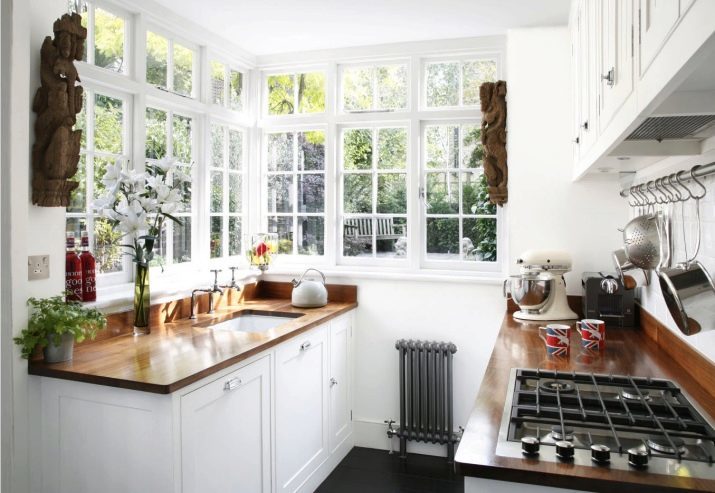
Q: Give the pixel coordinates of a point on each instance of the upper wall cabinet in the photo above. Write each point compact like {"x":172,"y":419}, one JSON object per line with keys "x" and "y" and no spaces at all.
{"x":628,"y":57}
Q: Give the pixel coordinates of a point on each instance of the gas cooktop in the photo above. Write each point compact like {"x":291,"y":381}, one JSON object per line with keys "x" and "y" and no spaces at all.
{"x":609,"y":421}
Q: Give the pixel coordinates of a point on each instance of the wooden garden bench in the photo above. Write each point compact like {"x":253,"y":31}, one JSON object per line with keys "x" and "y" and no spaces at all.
{"x":386,"y":228}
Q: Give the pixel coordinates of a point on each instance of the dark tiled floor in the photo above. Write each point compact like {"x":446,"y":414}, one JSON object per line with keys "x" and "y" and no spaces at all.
{"x":367,"y":470}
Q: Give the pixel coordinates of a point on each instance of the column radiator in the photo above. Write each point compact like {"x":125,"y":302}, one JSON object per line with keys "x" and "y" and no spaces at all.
{"x":426,"y":396}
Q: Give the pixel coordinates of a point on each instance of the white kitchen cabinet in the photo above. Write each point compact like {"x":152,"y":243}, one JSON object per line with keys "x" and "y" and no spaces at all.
{"x":585,"y":46}
{"x":340,"y":381}
{"x":657,"y":19}
{"x":617,"y":40}
{"x":226,"y":435}
{"x":301,"y":401}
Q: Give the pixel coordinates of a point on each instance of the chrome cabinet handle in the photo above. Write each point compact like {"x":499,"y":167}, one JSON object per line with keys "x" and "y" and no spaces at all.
{"x":232,"y":384}
{"x":333,"y":382}
{"x":305,"y":345}
{"x":609,"y":77}
{"x":584,"y":125}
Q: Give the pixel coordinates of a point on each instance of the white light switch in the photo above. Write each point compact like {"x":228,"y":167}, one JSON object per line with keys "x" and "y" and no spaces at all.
{"x":38,"y":267}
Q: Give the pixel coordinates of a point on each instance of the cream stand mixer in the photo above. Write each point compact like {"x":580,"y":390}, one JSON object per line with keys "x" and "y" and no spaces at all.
{"x":540,"y":290}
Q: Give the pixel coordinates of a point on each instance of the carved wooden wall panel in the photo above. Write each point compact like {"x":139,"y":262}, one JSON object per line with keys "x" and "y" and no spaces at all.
{"x":493,"y":99}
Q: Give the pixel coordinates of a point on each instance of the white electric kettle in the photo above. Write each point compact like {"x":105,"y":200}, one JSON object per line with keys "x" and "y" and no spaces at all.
{"x":308,"y":293}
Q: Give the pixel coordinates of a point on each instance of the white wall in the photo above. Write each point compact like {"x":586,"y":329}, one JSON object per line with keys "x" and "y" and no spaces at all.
{"x":546,"y":209}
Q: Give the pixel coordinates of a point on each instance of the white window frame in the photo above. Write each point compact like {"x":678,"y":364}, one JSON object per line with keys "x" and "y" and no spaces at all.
{"x":295,"y":257}
{"x":375,"y":89}
{"x":461,"y":60}
{"x":461,"y":264}
{"x":128,"y":36}
{"x":172,"y":38}
{"x":342,"y":259}
{"x":225,"y":215}
{"x":228,"y":68}
{"x":91,"y":89}
{"x":296,"y":115}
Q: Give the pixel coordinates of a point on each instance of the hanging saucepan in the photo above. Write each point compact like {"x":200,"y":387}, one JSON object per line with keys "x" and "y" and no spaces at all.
{"x":688,"y":289}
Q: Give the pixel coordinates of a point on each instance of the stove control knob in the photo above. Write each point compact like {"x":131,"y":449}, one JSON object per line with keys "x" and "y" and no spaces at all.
{"x":600,"y":454}
{"x":637,"y":457}
{"x":564,"y":450}
{"x":530,"y":445}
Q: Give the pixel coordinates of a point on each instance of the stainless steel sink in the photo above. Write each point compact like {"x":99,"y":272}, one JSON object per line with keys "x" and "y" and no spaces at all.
{"x":255,"y":321}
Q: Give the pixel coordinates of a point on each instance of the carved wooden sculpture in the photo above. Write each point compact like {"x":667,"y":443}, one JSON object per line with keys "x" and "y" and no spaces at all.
{"x":493,"y":99}
{"x":55,"y":153}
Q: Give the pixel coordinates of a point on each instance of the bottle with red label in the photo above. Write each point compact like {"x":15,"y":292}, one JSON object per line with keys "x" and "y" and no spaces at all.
{"x":89,"y":286}
{"x":73,"y":270}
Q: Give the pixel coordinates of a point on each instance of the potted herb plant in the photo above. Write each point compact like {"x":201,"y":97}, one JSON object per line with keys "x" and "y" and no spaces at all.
{"x":55,"y":324}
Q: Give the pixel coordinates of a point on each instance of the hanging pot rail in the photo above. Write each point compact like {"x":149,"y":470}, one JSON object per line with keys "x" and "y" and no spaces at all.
{"x":668,"y":186}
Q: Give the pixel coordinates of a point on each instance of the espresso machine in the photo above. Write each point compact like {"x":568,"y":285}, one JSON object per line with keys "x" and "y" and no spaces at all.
{"x":606,"y":298}
{"x":540,"y":289}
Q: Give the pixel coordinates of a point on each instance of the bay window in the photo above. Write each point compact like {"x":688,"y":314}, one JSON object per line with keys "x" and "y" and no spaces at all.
{"x":455,"y":83}
{"x":374,"y":88}
{"x":170,"y":65}
{"x":295,"y":93}
{"x":106,"y":42}
{"x":227,"y":86}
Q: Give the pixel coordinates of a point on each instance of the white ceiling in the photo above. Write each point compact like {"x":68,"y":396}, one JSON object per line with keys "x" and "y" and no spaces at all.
{"x":265,"y":27}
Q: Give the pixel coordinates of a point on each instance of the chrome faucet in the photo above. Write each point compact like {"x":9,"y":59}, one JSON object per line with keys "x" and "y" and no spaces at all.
{"x":233,"y":284}
{"x":211,"y":291}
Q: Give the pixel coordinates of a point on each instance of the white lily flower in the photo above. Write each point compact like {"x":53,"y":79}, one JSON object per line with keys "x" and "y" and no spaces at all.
{"x":169,"y":207}
{"x":148,"y":204}
{"x":111,"y":214}
{"x":103,"y":202}
{"x":153,"y":181}
{"x":180,"y":177}
{"x":133,"y":224}
{"x":113,"y":174}
{"x":166,"y":164}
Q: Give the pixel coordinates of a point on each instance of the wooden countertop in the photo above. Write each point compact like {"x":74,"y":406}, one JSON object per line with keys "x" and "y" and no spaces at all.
{"x":177,"y":354}
{"x":628,"y":351}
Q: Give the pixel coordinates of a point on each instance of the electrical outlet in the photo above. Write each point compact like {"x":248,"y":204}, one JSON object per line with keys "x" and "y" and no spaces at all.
{"x":38,"y":267}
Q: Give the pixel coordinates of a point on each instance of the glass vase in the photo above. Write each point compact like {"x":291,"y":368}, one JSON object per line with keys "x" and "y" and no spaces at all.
{"x":141,"y":299}
{"x":263,"y":246}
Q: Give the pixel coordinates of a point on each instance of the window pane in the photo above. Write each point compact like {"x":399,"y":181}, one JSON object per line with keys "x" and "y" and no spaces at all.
{"x":392,"y":87}
{"x":236,"y":90}
{"x":311,"y":235}
{"x":234,"y":192}
{"x":182,"y":241}
{"x":480,"y":239}
{"x":311,"y":150}
{"x":358,"y":194}
{"x":392,"y":148}
{"x":442,"y":147}
{"x":442,"y":84}
{"x":475,"y":195}
{"x":443,"y":238}
{"x":357,"y":237}
{"x":182,"y":139}
{"x":107,"y":251}
{"x":157,"y":49}
{"x":77,"y":200}
{"x":442,"y":193}
{"x":283,"y":227}
{"x":311,"y":193}
{"x":235,"y":236}
{"x":311,"y":92}
{"x":81,"y":123}
{"x":217,"y":139}
{"x":155,"y":133}
{"x":108,"y":124}
{"x":216,"y":191}
{"x":280,"y":190}
{"x":76,"y":225}
{"x":473,"y":75}
{"x":183,"y":70}
{"x":391,"y":193}
{"x":472,"y":149}
{"x":216,"y":242}
{"x":186,"y":187}
{"x":235,"y":149}
{"x":357,"y":148}
{"x":357,"y":88}
{"x":391,"y":237}
{"x":281,"y":94}
{"x":280,"y":152}
{"x":100,"y":168}
{"x":218,"y":73}
{"x":108,"y":40}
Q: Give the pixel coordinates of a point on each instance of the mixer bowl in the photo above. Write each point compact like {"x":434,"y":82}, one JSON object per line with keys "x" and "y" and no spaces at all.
{"x":531,"y":292}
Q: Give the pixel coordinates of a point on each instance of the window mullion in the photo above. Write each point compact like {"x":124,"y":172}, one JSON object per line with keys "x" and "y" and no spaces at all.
{"x":90,"y":34}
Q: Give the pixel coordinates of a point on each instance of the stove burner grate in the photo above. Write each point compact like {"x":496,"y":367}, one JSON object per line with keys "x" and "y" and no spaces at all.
{"x":559,"y":434}
{"x":552,"y":386}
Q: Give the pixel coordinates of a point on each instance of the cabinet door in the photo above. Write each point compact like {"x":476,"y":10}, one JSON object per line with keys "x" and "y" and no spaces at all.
{"x":588,"y":84}
{"x":225,"y":433}
{"x":340,"y":381}
{"x":616,"y":73}
{"x":301,"y":403}
{"x":657,"y":18}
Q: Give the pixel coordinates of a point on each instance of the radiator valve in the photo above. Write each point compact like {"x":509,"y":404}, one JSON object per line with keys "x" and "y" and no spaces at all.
{"x":391,"y":432}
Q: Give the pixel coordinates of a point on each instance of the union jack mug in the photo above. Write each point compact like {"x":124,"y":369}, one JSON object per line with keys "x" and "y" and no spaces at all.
{"x":593,"y":333}
{"x":557,"y":339}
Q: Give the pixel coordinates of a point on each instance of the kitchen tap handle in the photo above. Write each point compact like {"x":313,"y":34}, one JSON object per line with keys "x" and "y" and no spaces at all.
{"x":215,"y":271}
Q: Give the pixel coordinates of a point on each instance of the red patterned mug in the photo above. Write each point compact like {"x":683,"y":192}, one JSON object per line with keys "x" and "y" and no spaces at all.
{"x":593,"y":333}
{"x":557,"y":339}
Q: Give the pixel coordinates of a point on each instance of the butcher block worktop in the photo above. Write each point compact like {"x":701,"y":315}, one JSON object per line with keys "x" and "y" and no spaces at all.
{"x":179,"y":353}
{"x":633,"y":352}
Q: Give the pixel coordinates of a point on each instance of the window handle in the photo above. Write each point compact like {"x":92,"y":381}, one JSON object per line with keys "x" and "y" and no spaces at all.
{"x":423,"y":197}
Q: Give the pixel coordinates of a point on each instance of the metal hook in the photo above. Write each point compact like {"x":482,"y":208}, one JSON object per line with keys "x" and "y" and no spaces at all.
{"x":695,"y":179}
{"x":648,"y":189}
{"x":678,"y":197}
{"x":678,"y":177}
{"x":635,"y":203}
{"x":663,"y":199}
